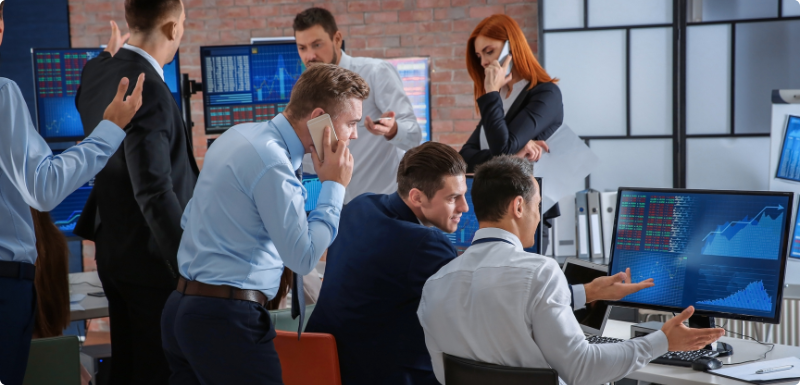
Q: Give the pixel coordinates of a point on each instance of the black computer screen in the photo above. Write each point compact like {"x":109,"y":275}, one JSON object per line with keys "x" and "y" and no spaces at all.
{"x":594,"y":313}
{"x":723,"y":252}
{"x":57,"y":76}
{"x":247,"y":83}
{"x":468,"y":225}
{"x":789,"y":162}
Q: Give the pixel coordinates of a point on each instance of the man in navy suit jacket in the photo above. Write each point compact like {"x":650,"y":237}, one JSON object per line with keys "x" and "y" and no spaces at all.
{"x":387,"y":247}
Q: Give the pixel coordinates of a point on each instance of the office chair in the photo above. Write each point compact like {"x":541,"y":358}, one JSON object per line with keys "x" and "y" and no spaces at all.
{"x":54,"y":361}
{"x":461,"y":371}
{"x":313,"y":359}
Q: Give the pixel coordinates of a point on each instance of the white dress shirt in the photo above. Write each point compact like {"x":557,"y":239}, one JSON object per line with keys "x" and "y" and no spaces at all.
{"x":376,"y":159}
{"x":147,"y":56}
{"x":498,"y":304}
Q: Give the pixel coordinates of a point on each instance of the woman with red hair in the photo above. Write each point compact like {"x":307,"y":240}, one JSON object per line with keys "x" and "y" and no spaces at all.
{"x":519,"y":111}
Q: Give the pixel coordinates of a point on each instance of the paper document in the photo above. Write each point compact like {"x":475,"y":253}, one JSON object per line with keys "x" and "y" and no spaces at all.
{"x":747,"y":372}
{"x":569,"y":159}
{"x":74,"y":298}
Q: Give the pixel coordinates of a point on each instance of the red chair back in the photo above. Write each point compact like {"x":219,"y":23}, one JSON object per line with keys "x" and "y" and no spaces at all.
{"x":313,"y":359}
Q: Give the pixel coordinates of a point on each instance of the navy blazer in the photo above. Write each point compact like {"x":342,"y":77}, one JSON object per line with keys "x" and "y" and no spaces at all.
{"x":373,"y":282}
{"x":535,"y":115}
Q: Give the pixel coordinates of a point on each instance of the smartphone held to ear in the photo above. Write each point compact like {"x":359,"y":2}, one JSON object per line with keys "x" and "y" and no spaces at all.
{"x":316,"y":127}
{"x":503,"y":55}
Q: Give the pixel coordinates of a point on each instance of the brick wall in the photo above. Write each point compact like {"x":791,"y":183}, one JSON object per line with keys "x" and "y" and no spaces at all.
{"x":378,"y":28}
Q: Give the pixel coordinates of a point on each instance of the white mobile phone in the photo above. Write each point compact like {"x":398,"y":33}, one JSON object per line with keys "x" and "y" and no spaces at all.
{"x":316,"y":127}
{"x":503,"y":54}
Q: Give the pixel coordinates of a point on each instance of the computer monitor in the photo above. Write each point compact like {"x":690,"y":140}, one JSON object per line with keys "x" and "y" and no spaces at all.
{"x":313,"y":187}
{"x":57,"y":76}
{"x":66,"y":214}
{"x":415,"y":74}
{"x":789,"y":163}
{"x":468,"y":225}
{"x":794,"y":248}
{"x":247,"y":83}
{"x":723,"y":252}
{"x":593,"y":317}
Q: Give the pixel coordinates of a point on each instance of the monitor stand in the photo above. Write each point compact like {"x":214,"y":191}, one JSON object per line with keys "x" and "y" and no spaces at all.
{"x":699,"y":321}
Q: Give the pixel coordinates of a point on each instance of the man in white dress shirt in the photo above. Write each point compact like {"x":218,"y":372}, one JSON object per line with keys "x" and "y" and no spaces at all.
{"x":527,"y":293}
{"x":381,"y":143}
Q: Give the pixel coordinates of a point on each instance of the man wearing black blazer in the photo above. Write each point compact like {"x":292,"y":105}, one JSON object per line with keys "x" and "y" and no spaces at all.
{"x":135,"y":208}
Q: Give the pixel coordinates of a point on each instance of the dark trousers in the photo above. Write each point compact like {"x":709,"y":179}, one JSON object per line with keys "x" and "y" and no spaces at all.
{"x":17,"y":313}
{"x":135,"y":313}
{"x":215,"y":341}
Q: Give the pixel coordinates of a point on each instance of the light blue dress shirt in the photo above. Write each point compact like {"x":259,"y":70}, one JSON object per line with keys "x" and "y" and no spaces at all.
{"x":247,"y":218}
{"x":30,"y":176}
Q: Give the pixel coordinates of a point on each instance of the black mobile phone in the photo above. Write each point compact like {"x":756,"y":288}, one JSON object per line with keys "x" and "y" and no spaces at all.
{"x":97,"y":294}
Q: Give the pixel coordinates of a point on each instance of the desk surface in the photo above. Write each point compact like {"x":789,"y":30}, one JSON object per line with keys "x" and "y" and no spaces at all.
{"x":84,"y":283}
{"x":676,"y":375}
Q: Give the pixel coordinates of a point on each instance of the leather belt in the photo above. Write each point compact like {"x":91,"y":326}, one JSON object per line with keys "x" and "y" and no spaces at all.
{"x":19,"y":270}
{"x":220,"y":291}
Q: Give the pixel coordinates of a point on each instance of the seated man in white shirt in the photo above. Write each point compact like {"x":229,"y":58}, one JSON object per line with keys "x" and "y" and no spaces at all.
{"x":524,"y":296}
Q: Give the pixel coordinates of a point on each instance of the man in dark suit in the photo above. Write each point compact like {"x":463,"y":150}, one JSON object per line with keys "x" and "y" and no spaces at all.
{"x":134,"y":211}
{"x":387,"y":247}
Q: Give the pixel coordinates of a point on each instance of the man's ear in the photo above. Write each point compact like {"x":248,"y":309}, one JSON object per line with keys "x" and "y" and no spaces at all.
{"x":415,"y":197}
{"x":316,"y":113}
{"x":170,"y":30}
{"x":518,"y":207}
{"x":337,"y":39}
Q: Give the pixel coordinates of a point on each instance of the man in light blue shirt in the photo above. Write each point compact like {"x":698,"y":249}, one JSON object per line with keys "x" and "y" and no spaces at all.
{"x":246,"y":221}
{"x":30,"y":176}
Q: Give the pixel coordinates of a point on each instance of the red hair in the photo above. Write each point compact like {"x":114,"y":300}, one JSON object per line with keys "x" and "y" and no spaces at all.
{"x":501,"y":27}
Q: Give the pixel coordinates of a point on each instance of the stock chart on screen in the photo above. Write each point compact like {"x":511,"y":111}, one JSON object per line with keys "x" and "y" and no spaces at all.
{"x":247,"y":83}
{"x":415,"y":74}
{"x":66,"y":214}
{"x":720,"y":252}
{"x":789,"y":163}
{"x":57,"y":77}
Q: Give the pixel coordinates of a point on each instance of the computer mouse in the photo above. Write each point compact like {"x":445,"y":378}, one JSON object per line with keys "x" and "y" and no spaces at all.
{"x":706,"y":363}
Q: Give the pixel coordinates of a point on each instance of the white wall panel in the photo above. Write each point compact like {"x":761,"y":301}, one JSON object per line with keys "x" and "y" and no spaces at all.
{"x":716,"y":10}
{"x":708,"y":79}
{"x":791,"y":8}
{"x":605,"y":13}
{"x":728,"y":163}
{"x":563,"y":14}
{"x":651,"y":81}
{"x":591,"y":66}
{"x":632,"y":163}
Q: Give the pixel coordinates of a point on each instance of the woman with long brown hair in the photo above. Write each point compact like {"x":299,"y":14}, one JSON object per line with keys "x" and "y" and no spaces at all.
{"x":519,"y":111}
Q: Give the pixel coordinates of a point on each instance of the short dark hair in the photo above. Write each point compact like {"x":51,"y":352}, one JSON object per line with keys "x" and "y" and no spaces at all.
{"x":3,"y":4}
{"x":498,"y":182}
{"x":424,"y":167}
{"x":144,"y":15}
{"x":326,"y":86}
{"x":315,"y":16}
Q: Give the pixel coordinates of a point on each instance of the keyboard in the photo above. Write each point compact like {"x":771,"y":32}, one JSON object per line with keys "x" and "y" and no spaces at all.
{"x":671,"y":358}
{"x":594,"y":340}
{"x":683,"y":358}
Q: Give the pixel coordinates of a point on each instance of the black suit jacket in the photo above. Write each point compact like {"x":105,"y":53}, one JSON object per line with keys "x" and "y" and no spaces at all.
{"x":134,"y":211}
{"x":374,"y":276}
{"x":535,"y":115}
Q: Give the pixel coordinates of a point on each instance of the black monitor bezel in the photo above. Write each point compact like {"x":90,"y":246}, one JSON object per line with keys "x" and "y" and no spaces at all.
{"x":36,"y":90}
{"x":700,"y":312}
{"x":220,"y":130}
{"x":783,"y":144}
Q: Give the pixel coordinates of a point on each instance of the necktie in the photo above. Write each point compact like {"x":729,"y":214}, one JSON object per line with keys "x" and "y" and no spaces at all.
{"x":298,"y":296}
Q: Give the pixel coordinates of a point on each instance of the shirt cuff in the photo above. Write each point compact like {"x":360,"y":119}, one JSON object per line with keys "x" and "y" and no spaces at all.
{"x":578,"y":297}
{"x":331,"y":194}
{"x":401,"y":135}
{"x":659,"y":345}
{"x":108,"y":132}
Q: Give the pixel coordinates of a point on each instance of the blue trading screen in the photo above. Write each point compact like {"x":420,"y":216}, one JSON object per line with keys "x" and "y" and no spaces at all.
{"x":468,"y":225}
{"x":789,"y":164}
{"x":313,"y":187}
{"x":57,"y":76}
{"x":414,"y":72}
{"x":718,"y":252}
{"x":247,"y":83}
{"x":794,"y":248}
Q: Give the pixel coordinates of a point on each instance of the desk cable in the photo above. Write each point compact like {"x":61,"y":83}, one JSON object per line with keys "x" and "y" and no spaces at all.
{"x":771,"y":346}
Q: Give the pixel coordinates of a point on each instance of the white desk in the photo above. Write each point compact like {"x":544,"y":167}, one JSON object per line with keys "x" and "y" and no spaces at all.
{"x":84,"y":283}
{"x":675,"y":375}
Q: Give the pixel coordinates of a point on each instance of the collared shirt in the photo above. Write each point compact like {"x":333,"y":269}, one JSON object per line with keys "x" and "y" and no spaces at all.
{"x":498,"y":304}
{"x":30,"y":176}
{"x":247,"y":218}
{"x":147,"y":56}
{"x":376,"y":159}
